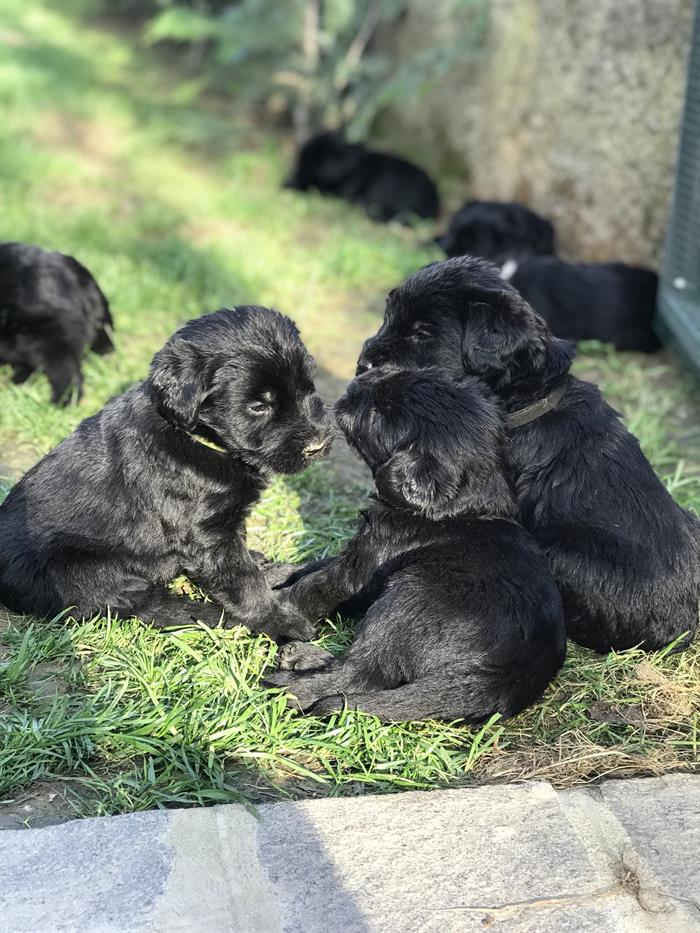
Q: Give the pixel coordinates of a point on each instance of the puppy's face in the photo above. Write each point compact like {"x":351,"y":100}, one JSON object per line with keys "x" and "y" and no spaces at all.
{"x":433,"y":445}
{"x":473,"y":236}
{"x":461,"y":316}
{"x":323,"y":162}
{"x":497,"y":232}
{"x":243,"y":379}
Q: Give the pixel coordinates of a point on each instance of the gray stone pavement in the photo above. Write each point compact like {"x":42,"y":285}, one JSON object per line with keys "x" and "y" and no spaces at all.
{"x":622,"y":857}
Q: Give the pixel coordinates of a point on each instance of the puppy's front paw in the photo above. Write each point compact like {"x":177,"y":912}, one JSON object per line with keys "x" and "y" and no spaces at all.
{"x":296,"y":627}
{"x":290,"y":625}
{"x":302,"y":656}
{"x":299,"y":694}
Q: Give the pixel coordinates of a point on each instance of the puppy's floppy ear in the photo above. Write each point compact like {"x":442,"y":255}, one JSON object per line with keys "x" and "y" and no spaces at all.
{"x":178,"y":382}
{"x":502,"y":336}
{"x":450,"y":461}
{"x":422,"y":481}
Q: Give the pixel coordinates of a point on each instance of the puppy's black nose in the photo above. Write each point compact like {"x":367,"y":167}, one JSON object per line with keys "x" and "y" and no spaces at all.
{"x":363,"y":366}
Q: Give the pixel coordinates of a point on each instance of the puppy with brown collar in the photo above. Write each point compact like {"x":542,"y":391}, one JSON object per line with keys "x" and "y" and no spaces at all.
{"x":625,"y":556}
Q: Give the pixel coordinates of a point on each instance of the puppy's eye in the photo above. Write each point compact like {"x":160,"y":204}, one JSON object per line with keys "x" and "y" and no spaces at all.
{"x":259,"y":408}
{"x":420,"y":331}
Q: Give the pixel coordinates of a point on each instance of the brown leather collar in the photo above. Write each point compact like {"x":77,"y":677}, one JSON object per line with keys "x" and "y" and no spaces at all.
{"x":530,"y":413}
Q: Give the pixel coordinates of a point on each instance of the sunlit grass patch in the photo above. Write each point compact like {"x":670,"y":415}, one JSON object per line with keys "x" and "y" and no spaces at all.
{"x":159,"y":720}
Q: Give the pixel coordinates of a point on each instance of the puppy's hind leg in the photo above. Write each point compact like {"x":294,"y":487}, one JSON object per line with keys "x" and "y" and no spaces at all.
{"x":432,"y":697}
{"x":307,"y":689}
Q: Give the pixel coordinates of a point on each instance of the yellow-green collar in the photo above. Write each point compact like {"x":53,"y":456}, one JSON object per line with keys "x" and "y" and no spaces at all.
{"x":206,"y":442}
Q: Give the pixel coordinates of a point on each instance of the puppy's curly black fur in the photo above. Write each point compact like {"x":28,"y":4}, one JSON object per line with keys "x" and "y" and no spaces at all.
{"x":465,"y":619}
{"x":51,"y":310}
{"x":386,"y":186}
{"x":159,"y":483}
{"x":626,"y":557}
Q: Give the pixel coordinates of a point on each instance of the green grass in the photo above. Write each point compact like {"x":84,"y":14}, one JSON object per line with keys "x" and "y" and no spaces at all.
{"x":175,"y":206}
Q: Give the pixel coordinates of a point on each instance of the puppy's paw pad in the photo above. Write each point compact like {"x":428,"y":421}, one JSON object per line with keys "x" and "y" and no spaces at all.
{"x":287,"y":655}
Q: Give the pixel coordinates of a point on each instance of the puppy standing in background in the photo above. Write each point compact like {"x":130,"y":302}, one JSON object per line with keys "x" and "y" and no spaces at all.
{"x":465,"y":619}
{"x":51,"y":311}
{"x":625,"y":556}
{"x":159,"y":483}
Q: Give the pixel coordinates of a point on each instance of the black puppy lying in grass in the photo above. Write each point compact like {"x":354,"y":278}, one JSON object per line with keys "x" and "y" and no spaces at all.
{"x":465,"y":619}
{"x":608,"y":301}
{"x":51,"y":310}
{"x":386,"y":186}
{"x":160,"y":481}
{"x":625,"y":556}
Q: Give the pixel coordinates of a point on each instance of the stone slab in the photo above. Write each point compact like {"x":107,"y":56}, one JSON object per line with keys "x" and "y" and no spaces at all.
{"x":619,"y":858}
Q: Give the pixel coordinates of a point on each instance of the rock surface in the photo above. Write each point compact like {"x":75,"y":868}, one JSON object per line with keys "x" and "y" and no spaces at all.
{"x":619,"y":857}
{"x":570,"y":107}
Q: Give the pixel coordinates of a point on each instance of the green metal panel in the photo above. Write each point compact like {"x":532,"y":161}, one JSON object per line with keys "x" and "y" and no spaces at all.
{"x":678,"y":318}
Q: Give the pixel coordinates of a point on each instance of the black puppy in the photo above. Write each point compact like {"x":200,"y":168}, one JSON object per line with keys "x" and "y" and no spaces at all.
{"x":386,"y":186}
{"x":497,"y":230}
{"x":625,"y":556}
{"x":608,"y":301}
{"x":51,"y":309}
{"x":160,"y":481}
{"x":466,"y":620}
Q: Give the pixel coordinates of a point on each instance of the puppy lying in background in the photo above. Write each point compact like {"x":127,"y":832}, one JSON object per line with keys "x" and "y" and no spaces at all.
{"x":465,"y":619}
{"x":51,"y":310}
{"x":159,"y":483}
{"x":386,"y":186}
{"x":606,"y":301}
{"x":497,"y":230}
{"x":625,"y":556}
{"x":611,"y":302}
